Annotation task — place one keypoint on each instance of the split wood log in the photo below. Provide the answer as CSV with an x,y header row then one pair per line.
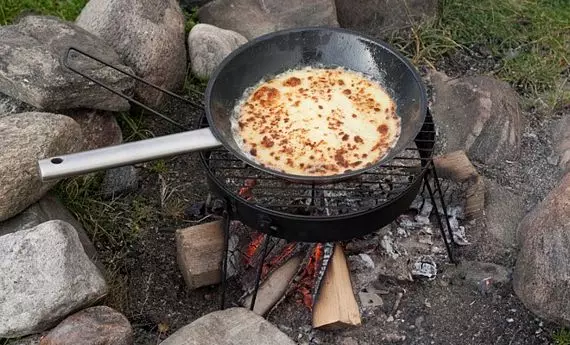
x,y
199,251
271,291
336,305
475,200
455,166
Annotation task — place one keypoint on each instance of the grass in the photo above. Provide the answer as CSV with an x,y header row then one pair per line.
x,y
66,9
561,337
530,39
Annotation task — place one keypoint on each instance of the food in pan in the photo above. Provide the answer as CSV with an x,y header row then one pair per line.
x,y
316,121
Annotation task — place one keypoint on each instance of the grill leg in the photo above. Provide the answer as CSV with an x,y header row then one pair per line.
x,y
226,228
437,215
259,271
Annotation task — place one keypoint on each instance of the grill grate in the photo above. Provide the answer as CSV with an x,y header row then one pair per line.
x,y
370,190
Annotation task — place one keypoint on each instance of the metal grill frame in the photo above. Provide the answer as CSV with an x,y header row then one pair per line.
x,y
319,228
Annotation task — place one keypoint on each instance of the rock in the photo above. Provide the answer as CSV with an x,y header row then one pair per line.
x,y
99,325
31,67
381,17
234,326
25,138
120,180
253,18
474,272
561,140
10,105
479,115
503,210
542,272
209,45
45,276
494,235
99,128
149,37
48,208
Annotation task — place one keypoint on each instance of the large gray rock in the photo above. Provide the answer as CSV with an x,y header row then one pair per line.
x,y
99,128
561,140
149,37
45,276
479,115
31,67
542,271
381,17
25,138
99,325
253,18
234,326
209,45
48,208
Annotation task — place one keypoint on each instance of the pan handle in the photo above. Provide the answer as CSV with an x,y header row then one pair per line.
x,y
126,154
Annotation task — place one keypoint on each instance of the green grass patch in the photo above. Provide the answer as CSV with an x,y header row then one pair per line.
x,y
561,337
66,9
191,19
530,38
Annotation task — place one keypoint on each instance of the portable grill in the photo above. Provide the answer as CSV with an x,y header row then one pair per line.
x,y
323,213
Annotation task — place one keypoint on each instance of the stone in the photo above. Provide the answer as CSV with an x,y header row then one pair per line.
x,y
542,272
45,276
25,138
99,325
381,17
494,234
253,18
480,115
119,181
561,140
474,272
10,105
234,326
209,45
99,128
148,35
504,210
49,208
31,69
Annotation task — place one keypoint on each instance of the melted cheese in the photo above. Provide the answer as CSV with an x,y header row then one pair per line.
x,y
316,122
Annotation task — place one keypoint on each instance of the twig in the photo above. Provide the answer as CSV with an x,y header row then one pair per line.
x,y
397,303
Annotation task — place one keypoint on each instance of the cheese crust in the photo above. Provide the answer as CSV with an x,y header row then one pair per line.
x,y
316,122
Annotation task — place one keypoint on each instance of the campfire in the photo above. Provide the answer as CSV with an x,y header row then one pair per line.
x,y
288,240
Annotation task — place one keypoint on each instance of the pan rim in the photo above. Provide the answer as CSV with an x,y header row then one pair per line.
x,y
309,178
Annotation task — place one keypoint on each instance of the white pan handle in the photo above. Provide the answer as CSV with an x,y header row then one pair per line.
x,y
126,154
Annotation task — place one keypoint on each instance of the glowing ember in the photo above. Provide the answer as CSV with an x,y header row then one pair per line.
x,y
279,258
246,191
308,276
253,247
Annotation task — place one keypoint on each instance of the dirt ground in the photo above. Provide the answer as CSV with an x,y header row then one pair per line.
x,y
446,310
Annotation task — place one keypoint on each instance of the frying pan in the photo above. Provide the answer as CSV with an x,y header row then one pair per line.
x,y
260,58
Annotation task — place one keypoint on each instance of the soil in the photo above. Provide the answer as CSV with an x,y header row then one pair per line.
x,y
447,310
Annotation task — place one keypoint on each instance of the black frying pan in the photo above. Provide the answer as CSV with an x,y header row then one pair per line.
x,y
260,58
